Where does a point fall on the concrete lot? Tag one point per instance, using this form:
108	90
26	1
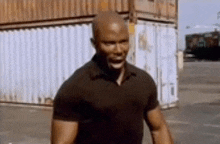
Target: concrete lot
195	121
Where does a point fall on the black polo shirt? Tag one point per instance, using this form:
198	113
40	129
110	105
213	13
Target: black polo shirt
107	113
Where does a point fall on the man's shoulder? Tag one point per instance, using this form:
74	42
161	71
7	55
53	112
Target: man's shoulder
139	72
81	74
142	76
77	81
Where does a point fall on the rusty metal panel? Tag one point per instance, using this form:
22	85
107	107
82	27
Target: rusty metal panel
35	62
13	11
132	40
157	9
146	49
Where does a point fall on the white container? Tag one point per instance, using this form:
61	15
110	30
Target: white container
156	53
35	62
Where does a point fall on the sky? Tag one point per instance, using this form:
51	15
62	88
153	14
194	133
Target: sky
199	16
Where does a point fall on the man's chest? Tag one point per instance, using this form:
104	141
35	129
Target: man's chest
113	100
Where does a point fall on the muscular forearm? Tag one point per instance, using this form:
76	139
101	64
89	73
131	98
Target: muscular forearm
158	127
63	132
162	136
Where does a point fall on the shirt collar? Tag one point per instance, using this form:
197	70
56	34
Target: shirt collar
100	69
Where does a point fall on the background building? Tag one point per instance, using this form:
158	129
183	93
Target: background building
204	45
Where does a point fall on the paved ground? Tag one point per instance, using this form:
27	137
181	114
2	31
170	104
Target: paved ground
195	121
24	125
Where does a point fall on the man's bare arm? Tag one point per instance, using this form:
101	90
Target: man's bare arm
63	132
158	127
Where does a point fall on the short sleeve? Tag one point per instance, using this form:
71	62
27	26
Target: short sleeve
152	99
69	104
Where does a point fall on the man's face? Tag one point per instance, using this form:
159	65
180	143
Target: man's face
112	42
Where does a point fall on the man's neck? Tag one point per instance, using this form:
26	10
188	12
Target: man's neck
120	77
117	75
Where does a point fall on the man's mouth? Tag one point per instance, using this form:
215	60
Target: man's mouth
117	60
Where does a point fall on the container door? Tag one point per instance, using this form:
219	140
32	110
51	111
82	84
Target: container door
168	65
173	66
156	54
163	66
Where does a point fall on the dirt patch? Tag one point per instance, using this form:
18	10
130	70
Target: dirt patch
217	103
213	103
209	91
184	89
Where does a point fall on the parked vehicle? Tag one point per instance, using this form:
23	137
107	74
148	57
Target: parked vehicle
204	45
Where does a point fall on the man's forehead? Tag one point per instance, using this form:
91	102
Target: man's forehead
105	19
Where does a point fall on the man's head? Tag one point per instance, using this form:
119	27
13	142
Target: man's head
111	39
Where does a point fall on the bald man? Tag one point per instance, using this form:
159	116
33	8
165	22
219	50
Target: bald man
106	100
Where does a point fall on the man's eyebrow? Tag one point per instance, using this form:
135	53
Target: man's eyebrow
124	40
106	41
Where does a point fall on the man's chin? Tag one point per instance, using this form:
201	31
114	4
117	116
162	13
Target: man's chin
116	66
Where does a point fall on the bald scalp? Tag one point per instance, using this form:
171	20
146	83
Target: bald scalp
105	19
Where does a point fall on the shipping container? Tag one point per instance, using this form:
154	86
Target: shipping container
35	62
33	13
162	10
40	51
14	11
156	53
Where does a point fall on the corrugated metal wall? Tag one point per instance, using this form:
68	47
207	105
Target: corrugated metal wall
35	62
35	13
156	49
157	9
12	11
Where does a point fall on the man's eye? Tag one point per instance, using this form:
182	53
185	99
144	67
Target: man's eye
109	43
124	42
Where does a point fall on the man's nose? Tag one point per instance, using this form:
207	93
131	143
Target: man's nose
118	48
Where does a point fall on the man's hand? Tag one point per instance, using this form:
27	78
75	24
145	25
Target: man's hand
63	132
158	128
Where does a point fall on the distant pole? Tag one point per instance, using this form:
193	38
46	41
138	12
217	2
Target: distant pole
218	15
